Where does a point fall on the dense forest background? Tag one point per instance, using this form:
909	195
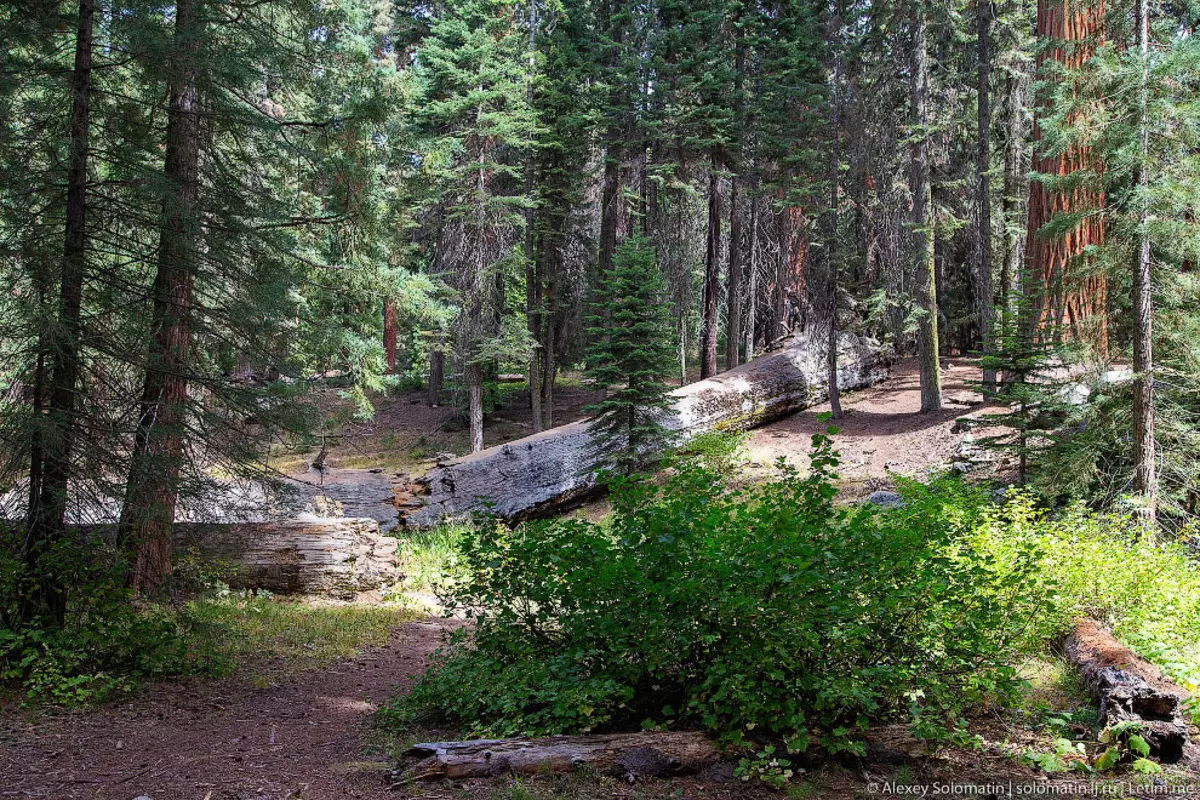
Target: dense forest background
204	205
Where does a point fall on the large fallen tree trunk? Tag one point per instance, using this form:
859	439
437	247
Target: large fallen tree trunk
634	755
549	471
1130	688
338	556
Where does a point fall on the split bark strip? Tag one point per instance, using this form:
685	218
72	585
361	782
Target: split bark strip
1130	688
633	755
549	472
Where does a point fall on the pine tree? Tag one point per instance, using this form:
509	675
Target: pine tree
630	358
476	126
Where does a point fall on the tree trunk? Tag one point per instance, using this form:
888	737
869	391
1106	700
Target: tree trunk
533	278
389	335
733	283
648	754
338	556
922	226
151	491
831	241
1061	304
752	279
1130	689
437	373
550	471
474	377
1016	191
549	343
712	273
984	301
50	456
1145	482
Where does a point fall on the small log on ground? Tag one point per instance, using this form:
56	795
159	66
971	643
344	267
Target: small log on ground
1130	688
549	472
336	556
648	754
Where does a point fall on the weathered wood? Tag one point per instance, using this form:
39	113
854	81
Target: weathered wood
633	755
1130	688
549	472
337	556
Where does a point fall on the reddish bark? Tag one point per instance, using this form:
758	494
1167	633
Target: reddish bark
389	335
152	488
1066	303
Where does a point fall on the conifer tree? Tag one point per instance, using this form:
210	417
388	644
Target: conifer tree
630	358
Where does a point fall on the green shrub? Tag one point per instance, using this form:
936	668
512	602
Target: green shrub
106	644
1103	566
767	614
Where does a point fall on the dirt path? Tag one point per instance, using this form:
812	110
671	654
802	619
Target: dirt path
220	740
882	431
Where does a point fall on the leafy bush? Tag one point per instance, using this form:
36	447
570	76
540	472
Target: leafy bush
1103	566
764	613
106	644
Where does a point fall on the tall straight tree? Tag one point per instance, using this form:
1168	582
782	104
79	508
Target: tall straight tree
922	221
476	125
50	457
151	491
1069	301
984	301
831	237
1144	475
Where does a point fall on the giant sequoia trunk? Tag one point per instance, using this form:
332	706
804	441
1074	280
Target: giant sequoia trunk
550	471
1063	302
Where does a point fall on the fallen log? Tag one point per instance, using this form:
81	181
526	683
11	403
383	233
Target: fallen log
647	754
1130	689
336	556
548	472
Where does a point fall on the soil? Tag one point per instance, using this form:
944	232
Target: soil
221	740
882	432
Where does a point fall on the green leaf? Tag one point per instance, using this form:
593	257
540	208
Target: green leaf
1146	767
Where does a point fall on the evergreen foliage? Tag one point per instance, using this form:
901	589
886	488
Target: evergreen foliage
629	360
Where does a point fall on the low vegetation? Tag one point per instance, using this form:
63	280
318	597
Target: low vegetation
112	643
780	619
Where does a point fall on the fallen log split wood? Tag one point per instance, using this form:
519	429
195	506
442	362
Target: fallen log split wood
549	472
631	755
336	556
1130	688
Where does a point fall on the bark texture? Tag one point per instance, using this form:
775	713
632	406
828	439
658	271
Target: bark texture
922	224
1130	688
151	491
339	556
1066	304
648	754
549	472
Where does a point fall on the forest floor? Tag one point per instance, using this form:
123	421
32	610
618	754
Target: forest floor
272	733
308	735
881	436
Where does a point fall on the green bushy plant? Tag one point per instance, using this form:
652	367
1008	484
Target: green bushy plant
768	614
1104	566
106	644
